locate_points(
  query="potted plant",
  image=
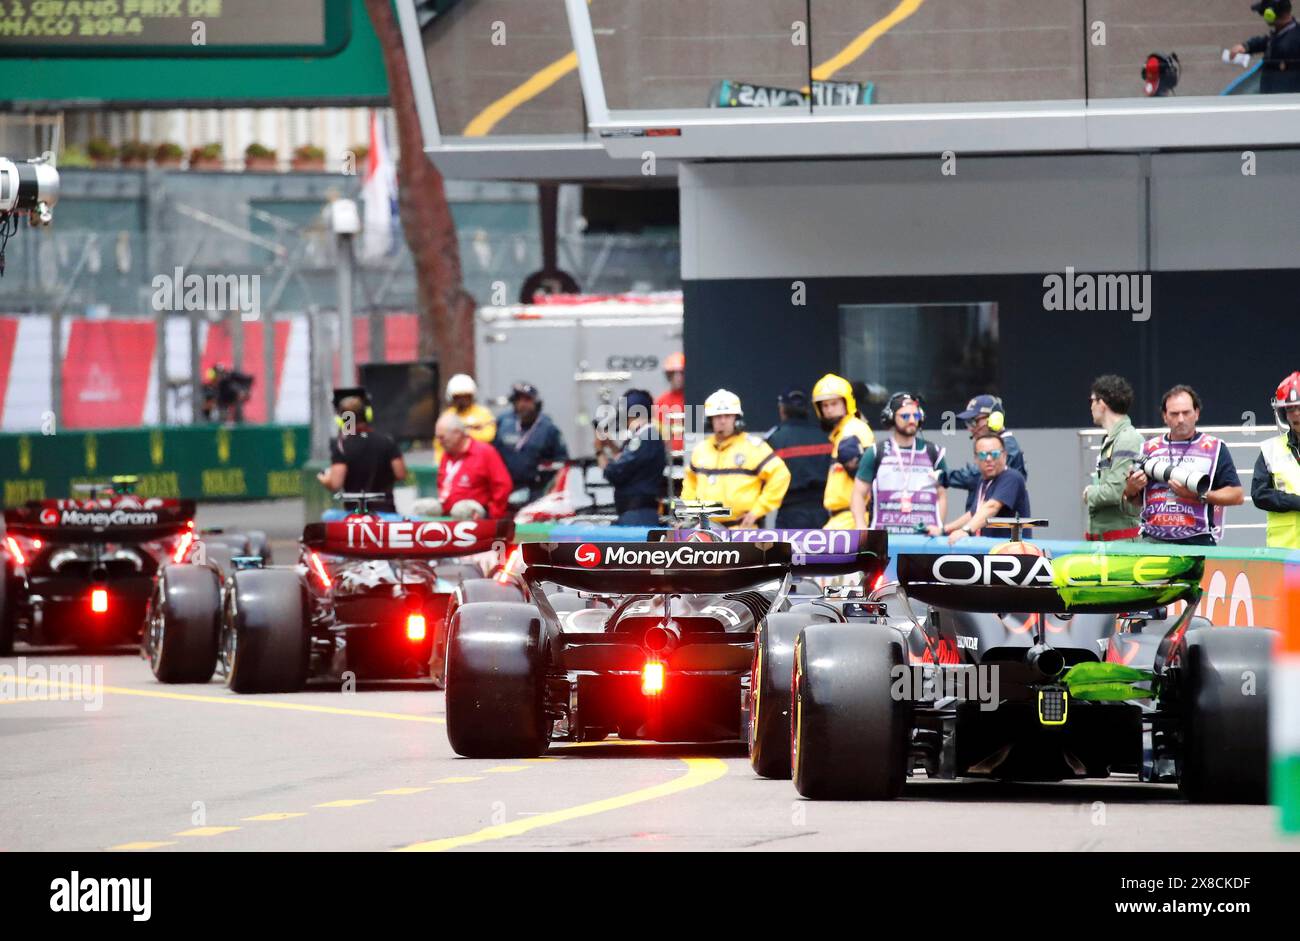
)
(74, 156)
(207, 157)
(309, 157)
(168, 155)
(101, 152)
(258, 157)
(135, 154)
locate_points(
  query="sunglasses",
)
(909, 416)
(988, 455)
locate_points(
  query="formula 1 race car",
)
(80, 571)
(1096, 679)
(368, 596)
(648, 640)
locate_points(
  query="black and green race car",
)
(1020, 667)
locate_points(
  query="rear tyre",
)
(769, 694)
(184, 625)
(472, 590)
(269, 632)
(851, 736)
(1225, 693)
(496, 677)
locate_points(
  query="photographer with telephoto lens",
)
(1185, 477)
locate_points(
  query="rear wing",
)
(369, 538)
(653, 567)
(1073, 583)
(126, 519)
(813, 552)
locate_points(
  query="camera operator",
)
(225, 393)
(1172, 513)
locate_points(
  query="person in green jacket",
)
(1111, 517)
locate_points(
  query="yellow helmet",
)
(831, 386)
(722, 402)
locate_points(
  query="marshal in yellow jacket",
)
(742, 473)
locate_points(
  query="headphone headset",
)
(369, 415)
(997, 417)
(1270, 9)
(896, 402)
(1160, 73)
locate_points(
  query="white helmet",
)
(722, 402)
(461, 384)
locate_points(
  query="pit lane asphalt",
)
(165, 768)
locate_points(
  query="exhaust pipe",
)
(662, 639)
(1046, 660)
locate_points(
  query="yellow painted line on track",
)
(699, 771)
(287, 815)
(205, 831)
(538, 82)
(461, 780)
(505, 769)
(234, 699)
(143, 845)
(402, 791)
(864, 40)
(353, 802)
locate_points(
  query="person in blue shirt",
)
(985, 413)
(527, 439)
(1001, 492)
(637, 473)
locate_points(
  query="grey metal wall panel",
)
(1207, 215)
(904, 217)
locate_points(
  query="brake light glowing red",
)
(16, 551)
(319, 568)
(99, 600)
(415, 626)
(652, 678)
(183, 547)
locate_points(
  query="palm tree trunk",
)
(446, 309)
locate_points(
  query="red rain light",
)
(652, 678)
(415, 627)
(99, 600)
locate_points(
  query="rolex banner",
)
(200, 463)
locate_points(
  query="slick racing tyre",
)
(472, 590)
(769, 694)
(1224, 694)
(851, 736)
(268, 632)
(496, 679)
(184, 624)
